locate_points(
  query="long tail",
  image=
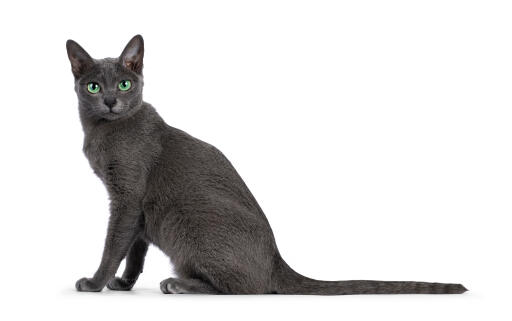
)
(290, 282)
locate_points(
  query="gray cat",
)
(181, 194)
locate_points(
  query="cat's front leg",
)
(123, 228)
(134, 266)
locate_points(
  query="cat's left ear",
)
(133, 54)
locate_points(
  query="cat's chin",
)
(113, 116)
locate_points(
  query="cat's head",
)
(109, 88)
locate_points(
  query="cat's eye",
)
(124, 85)
(93, 87)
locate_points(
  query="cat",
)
(181, 194)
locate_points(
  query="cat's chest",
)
(108, 154)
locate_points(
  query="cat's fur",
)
(175, 191)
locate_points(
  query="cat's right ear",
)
(79, 58)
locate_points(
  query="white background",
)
(376, 136)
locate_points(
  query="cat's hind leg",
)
(186, 286)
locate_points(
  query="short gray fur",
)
(181, 194)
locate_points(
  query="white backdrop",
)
(376, 136)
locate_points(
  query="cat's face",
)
(109, 88)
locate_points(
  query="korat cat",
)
(181, 194)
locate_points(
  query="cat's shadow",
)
(138, 291)
(155, 292)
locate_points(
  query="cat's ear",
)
(79, 58)
(133, 54)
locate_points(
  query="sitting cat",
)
(182, 195)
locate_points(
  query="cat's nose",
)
(110, 101)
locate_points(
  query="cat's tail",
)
(287, 281)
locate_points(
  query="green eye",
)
(124, 85)
(93, 87)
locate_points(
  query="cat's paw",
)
(87, 285)
(171, 286)
(120, 284)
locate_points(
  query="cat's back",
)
(191, 158)
(189, 168)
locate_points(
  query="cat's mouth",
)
(115, 112)
(116, 109)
